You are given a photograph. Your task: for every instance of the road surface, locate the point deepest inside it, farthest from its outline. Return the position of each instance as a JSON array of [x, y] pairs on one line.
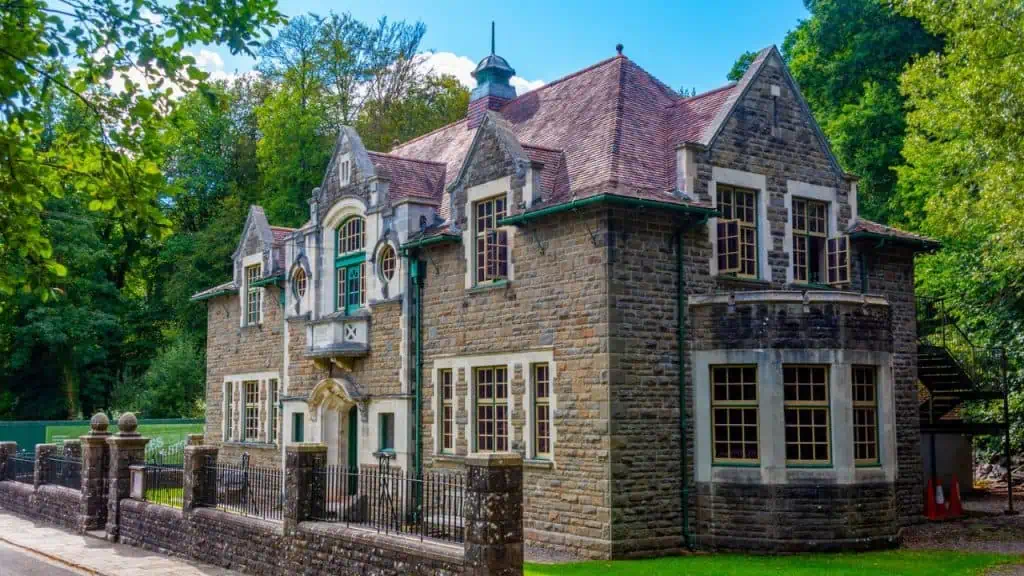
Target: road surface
[[16, 562]]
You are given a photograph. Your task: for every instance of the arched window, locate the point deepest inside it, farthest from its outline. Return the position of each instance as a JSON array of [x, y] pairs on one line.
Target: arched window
[[350, 266], [351, 235], [299, 282], [386, 263]]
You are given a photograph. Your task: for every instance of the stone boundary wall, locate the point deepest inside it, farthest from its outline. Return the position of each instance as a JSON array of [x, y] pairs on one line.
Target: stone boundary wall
[[261, 548], [55, 505]]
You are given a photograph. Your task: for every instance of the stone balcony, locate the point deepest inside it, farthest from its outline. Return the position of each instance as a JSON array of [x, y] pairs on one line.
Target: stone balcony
[[790, 319], [339, 335]]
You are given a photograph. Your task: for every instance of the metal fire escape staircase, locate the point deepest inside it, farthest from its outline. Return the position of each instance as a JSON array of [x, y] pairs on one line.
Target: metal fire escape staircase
[[951, 370]]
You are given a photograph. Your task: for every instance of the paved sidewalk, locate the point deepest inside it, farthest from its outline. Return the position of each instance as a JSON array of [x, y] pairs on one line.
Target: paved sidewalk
[[93, 555]]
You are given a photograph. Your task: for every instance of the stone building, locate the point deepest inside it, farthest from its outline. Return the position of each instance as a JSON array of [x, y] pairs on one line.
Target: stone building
[[669, 306]]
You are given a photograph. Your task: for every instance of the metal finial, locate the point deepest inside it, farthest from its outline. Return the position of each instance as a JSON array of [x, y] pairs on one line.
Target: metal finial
[[492, 37], [618, 48]]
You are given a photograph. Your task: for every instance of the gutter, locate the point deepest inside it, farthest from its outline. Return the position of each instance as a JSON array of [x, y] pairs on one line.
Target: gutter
[[225, 292], [415, 308], [924, 245], [612, 199], [430, 241], [267, 281]]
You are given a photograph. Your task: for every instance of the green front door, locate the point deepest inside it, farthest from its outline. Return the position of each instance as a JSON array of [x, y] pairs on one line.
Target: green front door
[[353, 450]]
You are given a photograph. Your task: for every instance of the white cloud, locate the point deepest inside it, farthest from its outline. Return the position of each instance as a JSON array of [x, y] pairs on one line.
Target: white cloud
[[461, 67]]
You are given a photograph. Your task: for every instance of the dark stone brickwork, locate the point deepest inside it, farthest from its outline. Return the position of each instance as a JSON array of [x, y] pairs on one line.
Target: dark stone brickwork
[[796, 518], [55, 505], [557, 300], [261, 548], [791, 325]]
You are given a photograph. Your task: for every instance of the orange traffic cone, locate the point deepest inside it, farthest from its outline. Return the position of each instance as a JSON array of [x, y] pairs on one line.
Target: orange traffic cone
[[941, 505], [929, 500], [956, 508]]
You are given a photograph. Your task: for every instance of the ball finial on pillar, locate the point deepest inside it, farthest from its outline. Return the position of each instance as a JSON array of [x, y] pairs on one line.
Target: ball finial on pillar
[[99, 423], [127, 424]]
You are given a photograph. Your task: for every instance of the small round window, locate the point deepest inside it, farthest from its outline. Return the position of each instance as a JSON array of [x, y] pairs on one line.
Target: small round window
[[299, 280], [387, 263]]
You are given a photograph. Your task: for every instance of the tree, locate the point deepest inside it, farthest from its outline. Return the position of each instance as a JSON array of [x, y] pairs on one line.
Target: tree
[[434, 102], [847, 59], [739, 68], [124, 62]]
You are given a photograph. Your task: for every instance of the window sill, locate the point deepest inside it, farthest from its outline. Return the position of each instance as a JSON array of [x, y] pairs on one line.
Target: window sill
[[244, 444], [810, 286], [538, 464], [497, 284], [809, 466], [453, 458], [734, 280], [735, 464]]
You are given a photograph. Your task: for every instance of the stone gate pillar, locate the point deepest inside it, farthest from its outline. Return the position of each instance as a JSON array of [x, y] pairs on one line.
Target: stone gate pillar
[[92, 513], [7, 451], [199, 488], [303, 496], [494, 515], [41, 472], [127, 447]]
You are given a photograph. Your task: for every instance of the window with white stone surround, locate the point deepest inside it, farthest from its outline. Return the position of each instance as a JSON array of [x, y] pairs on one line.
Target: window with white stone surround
[[818, 253], [740, 237], [251, 407]]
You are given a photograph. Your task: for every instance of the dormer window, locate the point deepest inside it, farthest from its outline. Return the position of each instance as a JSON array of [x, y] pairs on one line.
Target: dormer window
[[491, 241], [350, 266], [253, 295]]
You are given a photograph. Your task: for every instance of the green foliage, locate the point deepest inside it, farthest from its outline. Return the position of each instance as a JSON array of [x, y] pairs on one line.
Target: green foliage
[[963, 180], [434, 102], [847, 59], [81, 51], [739, 68], [173, 386], [893, 563]]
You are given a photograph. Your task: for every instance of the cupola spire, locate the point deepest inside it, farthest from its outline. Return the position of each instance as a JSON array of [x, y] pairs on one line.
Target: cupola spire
[[493, 89]]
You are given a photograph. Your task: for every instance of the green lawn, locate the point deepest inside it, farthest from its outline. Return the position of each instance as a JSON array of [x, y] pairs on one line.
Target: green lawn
[[165, 496], [159, 434], [891, 563]]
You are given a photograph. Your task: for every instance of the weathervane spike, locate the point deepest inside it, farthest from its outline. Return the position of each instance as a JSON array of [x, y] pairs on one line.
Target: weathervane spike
[[492, 37]]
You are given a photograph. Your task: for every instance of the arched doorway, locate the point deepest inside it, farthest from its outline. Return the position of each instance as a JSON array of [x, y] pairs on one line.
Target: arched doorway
[[332, 405]]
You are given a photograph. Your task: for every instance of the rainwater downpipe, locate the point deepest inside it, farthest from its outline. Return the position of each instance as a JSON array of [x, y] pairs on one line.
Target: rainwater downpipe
[[415, 296], [684, 493]]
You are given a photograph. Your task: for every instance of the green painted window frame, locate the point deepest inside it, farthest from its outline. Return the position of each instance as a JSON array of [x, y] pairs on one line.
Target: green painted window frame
[[298, 427], [350, 269], [386, 432]]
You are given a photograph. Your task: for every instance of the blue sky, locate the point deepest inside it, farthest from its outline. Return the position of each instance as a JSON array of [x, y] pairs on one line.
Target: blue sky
[[683, 43]]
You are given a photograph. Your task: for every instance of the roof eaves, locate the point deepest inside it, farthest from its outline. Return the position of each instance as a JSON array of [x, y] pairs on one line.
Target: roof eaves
[[517, 219]]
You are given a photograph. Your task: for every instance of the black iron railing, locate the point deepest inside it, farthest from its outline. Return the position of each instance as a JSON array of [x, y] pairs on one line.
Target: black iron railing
[[165, 485], [247, 490], [391, 501], [167, 457], [63, 471], [23, 467], [936, 327]]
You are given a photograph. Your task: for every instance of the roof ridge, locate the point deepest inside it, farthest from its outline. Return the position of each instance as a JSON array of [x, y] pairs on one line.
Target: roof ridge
[[709, 92], [567, 77], [396, 157], [620, 112], [435, 130], [537, 147]]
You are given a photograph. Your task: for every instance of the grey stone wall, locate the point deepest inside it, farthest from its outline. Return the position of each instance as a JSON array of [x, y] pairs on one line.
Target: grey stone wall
[[557, 301], [796, 518], [55, 505]]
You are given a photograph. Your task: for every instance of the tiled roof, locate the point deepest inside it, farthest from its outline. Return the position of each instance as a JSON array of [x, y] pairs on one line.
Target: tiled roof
[[613, 125], [281, 233], [410, 177], [554, 180], [868, 227]]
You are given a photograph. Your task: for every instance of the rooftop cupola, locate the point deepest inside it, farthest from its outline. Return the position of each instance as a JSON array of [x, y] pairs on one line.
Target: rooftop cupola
[[493, 89]]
